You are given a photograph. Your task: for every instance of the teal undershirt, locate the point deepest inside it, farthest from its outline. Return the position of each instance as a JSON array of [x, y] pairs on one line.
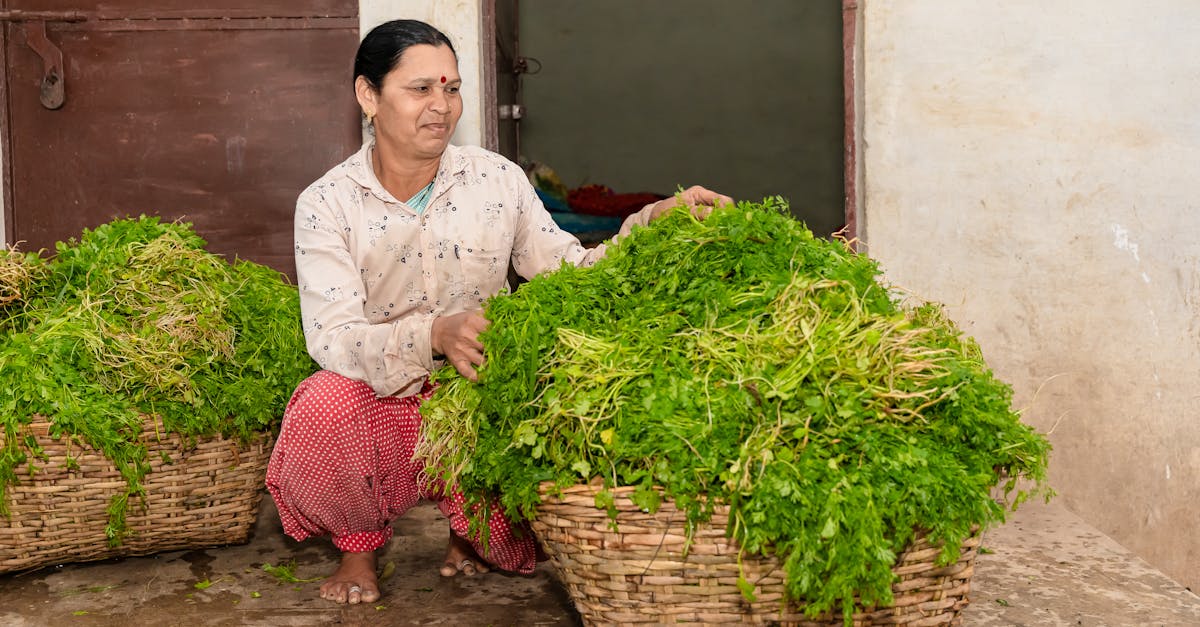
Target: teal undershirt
[[421, 200]]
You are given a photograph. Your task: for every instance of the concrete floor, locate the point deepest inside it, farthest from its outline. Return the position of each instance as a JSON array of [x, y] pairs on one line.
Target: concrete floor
[[1046, 567]]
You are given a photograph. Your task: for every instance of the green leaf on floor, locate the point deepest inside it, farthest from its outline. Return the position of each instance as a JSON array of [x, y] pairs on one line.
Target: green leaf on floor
[[206, 584], [286, 573]]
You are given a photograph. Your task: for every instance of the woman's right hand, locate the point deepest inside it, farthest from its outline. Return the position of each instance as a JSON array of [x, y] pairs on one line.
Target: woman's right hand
[[457, 338]]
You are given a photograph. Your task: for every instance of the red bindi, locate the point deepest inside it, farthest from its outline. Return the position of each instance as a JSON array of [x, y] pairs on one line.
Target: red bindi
[[443, 79]]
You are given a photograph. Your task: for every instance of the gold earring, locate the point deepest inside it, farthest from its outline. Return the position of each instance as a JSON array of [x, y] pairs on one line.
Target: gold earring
[[370, 117]]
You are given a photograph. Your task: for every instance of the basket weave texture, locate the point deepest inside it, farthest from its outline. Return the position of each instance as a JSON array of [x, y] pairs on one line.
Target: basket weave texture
[[204, 493], [639, 574]]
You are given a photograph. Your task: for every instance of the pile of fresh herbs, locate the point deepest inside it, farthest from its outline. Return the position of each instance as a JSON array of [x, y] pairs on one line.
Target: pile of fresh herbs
[[740, 360], [136, 318]]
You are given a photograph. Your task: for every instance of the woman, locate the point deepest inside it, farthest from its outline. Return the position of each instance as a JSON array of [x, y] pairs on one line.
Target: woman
[[396, 250]]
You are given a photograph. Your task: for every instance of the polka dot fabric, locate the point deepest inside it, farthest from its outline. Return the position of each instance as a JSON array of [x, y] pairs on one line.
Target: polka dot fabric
[[343, 466]]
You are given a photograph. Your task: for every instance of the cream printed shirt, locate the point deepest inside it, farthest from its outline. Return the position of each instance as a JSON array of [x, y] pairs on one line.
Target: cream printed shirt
[[373, 273]]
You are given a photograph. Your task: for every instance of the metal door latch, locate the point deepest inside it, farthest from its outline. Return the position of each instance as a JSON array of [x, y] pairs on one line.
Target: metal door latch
[[54, 77], [54, 84]]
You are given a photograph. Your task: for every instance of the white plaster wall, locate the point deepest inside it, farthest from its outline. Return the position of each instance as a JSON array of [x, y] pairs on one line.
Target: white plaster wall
[[1034, 165], [461, 21]]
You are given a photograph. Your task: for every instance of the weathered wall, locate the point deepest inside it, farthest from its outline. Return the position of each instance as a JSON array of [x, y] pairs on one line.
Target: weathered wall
[[1034, 165], [461, 20], [744, 97]]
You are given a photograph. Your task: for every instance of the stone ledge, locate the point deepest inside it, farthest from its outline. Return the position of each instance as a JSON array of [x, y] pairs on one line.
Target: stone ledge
[[1046, 566]]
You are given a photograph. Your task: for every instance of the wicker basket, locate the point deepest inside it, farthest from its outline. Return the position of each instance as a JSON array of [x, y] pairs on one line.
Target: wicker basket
[[638, 574], [199, 493]]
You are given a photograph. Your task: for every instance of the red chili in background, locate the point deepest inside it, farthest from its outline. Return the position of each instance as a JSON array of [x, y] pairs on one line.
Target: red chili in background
[[600, 200]]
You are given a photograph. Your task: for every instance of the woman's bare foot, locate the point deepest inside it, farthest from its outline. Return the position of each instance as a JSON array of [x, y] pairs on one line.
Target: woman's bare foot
[[354, 581], [461, 558]]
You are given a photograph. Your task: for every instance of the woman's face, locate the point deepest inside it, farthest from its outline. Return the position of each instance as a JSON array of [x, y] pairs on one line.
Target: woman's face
[[418, 106]]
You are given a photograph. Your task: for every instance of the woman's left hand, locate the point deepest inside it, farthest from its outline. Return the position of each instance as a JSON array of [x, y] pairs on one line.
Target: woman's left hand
[[700, 200], [456, 337]]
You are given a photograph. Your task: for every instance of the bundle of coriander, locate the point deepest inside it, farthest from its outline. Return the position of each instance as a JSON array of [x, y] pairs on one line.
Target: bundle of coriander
[[739, 360], [136, 318], [18, 272]]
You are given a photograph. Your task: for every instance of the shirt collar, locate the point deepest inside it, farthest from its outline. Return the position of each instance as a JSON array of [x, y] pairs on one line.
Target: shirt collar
[[451, 169]]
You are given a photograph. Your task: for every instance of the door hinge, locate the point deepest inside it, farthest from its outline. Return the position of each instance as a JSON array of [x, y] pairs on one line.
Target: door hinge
[[511, 111]]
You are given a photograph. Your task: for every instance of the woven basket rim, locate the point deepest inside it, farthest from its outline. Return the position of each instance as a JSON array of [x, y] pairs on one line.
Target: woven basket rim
[[39, 424], [551, 488]]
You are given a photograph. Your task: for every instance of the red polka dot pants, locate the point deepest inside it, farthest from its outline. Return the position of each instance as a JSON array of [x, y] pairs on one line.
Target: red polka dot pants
[[343, 466]]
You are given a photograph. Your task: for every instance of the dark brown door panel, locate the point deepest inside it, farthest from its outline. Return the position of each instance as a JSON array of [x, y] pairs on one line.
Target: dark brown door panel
[[222, 127]]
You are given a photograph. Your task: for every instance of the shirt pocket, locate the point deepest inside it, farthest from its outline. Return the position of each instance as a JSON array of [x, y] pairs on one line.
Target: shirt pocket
[[484, 270]]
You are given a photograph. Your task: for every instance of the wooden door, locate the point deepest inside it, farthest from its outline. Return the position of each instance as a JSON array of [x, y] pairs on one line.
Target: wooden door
[[219, 116]]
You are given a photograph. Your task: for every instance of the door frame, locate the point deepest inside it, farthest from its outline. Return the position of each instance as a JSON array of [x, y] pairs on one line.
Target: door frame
[[487, 61], [6, 186], [852, 173]]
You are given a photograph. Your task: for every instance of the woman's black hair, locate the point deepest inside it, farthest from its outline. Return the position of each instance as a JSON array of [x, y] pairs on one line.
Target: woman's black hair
[[381, 49]]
